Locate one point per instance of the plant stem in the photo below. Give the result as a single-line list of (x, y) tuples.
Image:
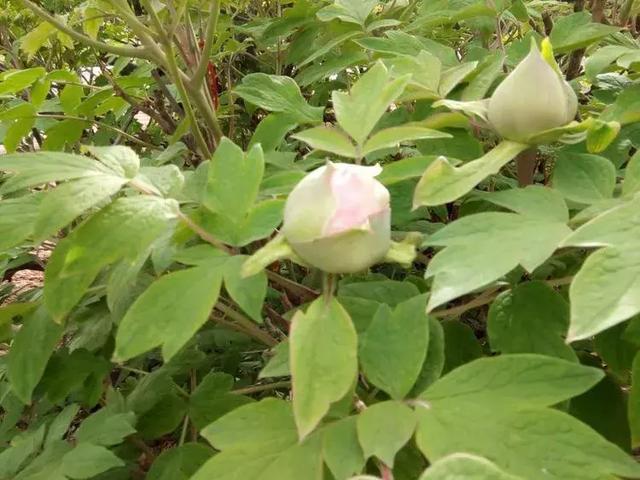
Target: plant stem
[(526, 166), (247, 324), (197, 78), (126, 51), (328, 286)]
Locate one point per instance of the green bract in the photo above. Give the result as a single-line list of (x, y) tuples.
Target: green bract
[(532, 99), (338, 218)]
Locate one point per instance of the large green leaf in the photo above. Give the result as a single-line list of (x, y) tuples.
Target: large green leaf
[(17, 219), (577, 31), (278, 94), (482, 248), (62, 205), (522, 442), (443, 183), (394, 347), (532, 318), (384, 428), (36, 168), (124, 229), (323, 345), (169, 312), (13, 81), (341, 449), (87, 461), (328, 139), (605, 290), (260, 441), (359, 110), (584, 178), (352, 11), (516, 380), (394, 136), (212, 399), (30, 352), (179, 463), (634, 403), (234, 180), (463, 466)]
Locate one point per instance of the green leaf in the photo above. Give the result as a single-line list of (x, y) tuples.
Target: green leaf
[(602, 58), (614, 227), (604, 408), (61, 423), (87, 460), (64, 133), (394, 136), (460, 345), (265, 424), (626, 108), (13, 81), (384, 428), (516, 380), (328, 139), (278, 94), (323, 345), (122, 230), (258, 223), (605, 291), (259, 441), (328, 46), (584, 178), (163, 418), (631, 182), (187, 295), (532, 318), (36, 168), (278, 364), (17, 131), (443, 183), (341, 449), (452, 77), (36, 38), (433, 364), (405, 169), (179, 463), (483, 78), (105, 427), (271, 131), (234, 180), (424, 69), (463, 466), (30, 352), (634, 403), (483, 247), (352, 11), (120, 159), (249, 293), (212, 399), (577, 31), (71, 97), (359, 110), (522, 442), (394, 347), (17, 219), (93, 19), (62, 205)]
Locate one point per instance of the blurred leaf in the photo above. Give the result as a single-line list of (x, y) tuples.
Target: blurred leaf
[(577, 31)]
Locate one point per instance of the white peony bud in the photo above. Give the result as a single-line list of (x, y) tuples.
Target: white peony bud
[(338, 218), (533, 98)]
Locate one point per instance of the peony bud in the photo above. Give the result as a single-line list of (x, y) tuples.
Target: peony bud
[(338, 218), (533, 98)]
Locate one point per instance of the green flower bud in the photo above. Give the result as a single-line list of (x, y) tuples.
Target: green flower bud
[(338, 218), (533, 98)]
